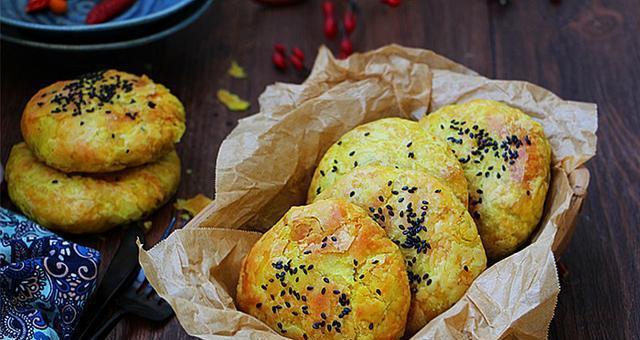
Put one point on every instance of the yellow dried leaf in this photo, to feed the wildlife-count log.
(236, 70)
(147, 225)
(193, 205)
(232, 101)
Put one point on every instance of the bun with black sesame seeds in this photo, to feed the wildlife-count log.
(88, 203)
(393, 142)
(507, 162)
(326, 271)
(436, 234)
(103, 121)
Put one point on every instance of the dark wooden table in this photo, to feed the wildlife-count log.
(582, 50)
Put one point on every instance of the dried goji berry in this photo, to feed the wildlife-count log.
(349, 21)
(298, 53)
(36, 5)
(280, 48)
(279, 60)
(296, 62)
(107, 10)
(330, 28)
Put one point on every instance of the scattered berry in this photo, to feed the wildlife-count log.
(279, 60)
(298, 53)
(349, 21)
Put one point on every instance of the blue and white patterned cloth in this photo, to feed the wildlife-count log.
(45, 281)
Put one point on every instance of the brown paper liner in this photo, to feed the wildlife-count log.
(265, 165)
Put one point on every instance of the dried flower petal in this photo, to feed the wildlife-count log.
(147, 225)
(236, 71)
(192, 205)
(232, 101)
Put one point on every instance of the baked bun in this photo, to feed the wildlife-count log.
(434, 231)
(80, 204)
(103, 121)
(326, 271)
(506, 159)
(392, 142)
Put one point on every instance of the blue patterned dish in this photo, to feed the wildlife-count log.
(12, 13)
(161, 29)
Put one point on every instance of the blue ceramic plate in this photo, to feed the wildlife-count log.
(12, 13)
(162, 29)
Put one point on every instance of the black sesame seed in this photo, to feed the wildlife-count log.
(429, 282)
(258, 305)
(352, 193)
(409, 144)
(466, 269)
(479, 191)
(352, 153)
(378, 291)
(438, 191)
(380, 198)
(324, 290)
(371, 325)
(334, 239)
(151, 104)
(307, 252)
(325, 280)
(336, 292)
(55, 181)
(366, 134)
(309, 287)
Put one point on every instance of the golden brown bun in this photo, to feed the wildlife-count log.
(506, 159)
(392, 142)
(103, 121)
(434, 231)
(326, 271)
(81, 204)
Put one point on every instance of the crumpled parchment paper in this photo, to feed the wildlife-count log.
(265, 165)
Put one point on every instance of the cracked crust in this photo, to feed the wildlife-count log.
(393, 142)
(81, 204)
(506, 159)
(101, 122)
(440, 243)
(356, 282)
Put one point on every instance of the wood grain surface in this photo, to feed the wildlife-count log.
(582, 50)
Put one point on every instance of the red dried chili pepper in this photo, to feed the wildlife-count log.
(327, 8)
(349, 21)
(107, 10)
(279, 61)
(346, 46)
(296, 62)
(392, 3)
(330, 28)
(36, 5)
(280, 48)
(298, 53)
